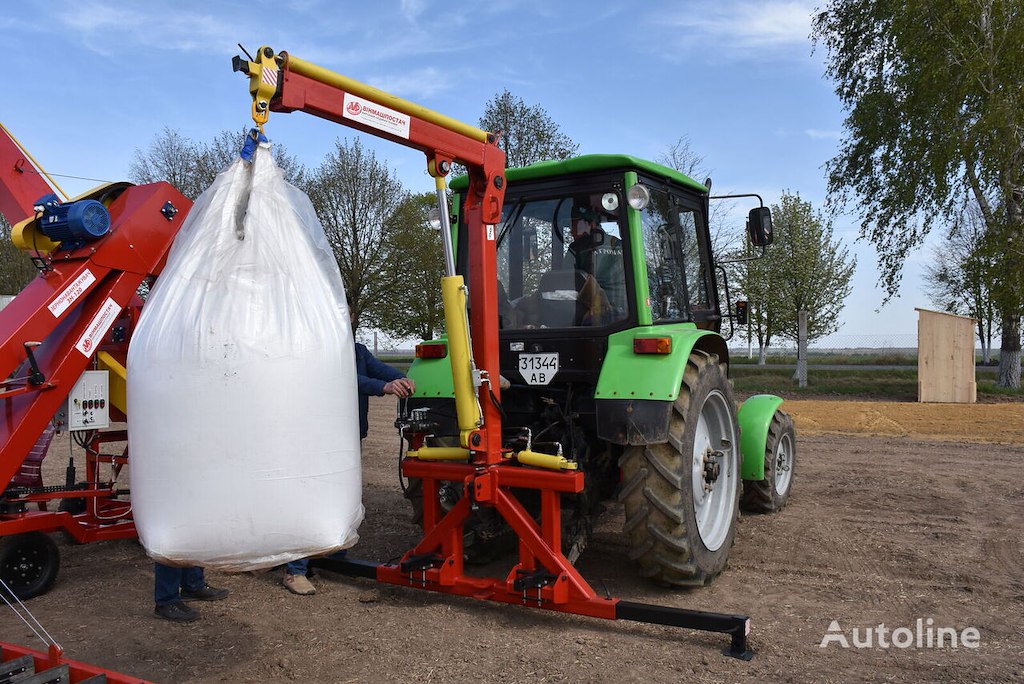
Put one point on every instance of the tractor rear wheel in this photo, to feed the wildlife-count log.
(29, 563)
(771, 494)
(681, 498)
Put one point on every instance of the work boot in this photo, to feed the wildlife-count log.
(176, 612)
(298, 584)
(204, 593)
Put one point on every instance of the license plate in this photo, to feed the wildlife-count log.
(538, 369)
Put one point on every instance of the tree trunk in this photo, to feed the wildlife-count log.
(984, 342)
(1009, 353)
(801, 350)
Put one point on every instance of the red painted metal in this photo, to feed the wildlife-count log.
(20, 183)
(83, 302)
(54, 657)
(563, 590)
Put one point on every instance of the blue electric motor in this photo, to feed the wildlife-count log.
(72, 223)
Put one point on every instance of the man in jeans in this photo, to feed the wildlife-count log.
(376, 378)
(174, 586)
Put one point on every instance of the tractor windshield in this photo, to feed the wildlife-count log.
(561, 262)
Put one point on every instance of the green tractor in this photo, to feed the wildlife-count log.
(610, 315)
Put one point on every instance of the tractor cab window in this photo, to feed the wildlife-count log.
(561, 263)
(677, 278)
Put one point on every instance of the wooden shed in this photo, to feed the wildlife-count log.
(945, 358)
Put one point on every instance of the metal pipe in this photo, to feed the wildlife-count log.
(446, 226)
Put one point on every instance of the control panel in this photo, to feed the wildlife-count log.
(88, 406)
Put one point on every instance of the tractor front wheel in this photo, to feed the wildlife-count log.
(771, 494)
(29, 563)
(681, 498)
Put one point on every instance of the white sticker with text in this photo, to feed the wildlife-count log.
(98, 327)
(376, 116)
(71, 293)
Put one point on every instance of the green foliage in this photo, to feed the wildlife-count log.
(528, 134)
(16, 270)
(416, 266)
(958, 278)
(812, 272)
(804, 270)
(933, 95)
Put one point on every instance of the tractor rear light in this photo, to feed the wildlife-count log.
(431, 351)
(652, 345)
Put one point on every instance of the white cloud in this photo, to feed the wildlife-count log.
(414, 85)
(412, 9)
(108, 28)
(745, 25)
(817, 134)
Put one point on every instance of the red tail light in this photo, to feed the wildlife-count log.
(652, 345)
(431, 351)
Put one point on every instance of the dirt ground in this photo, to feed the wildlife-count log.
(899, 512)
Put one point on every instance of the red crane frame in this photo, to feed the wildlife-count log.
(543, 577)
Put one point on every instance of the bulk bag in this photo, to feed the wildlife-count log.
(243, 423)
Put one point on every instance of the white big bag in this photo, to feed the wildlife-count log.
(243, 417)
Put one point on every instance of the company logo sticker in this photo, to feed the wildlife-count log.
(375, 116)
(98, 327)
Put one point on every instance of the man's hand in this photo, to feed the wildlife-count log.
(403, 387)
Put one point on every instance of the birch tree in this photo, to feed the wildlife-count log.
(934, 104)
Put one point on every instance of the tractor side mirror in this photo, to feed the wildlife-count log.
(759, 226)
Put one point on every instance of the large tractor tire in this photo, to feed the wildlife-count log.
(29, 563)
(682, 497)
(771, 494)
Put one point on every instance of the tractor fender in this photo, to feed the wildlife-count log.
(653, 377)
(755, 416)
(635, 392)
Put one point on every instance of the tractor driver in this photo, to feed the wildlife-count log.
(596, 252)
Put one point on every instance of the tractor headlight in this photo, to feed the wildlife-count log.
(638, 196)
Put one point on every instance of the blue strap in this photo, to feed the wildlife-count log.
(252, 139)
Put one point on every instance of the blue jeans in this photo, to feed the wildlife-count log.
(169, 581)
(299, 567)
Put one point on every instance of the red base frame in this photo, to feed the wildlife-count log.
(105, 516)
(543, 577)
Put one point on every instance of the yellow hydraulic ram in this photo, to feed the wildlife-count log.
(549, 461)
(453, 295)
(439, 454)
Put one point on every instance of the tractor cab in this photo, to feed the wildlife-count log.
(591, 246)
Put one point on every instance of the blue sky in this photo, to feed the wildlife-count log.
(91, 81)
